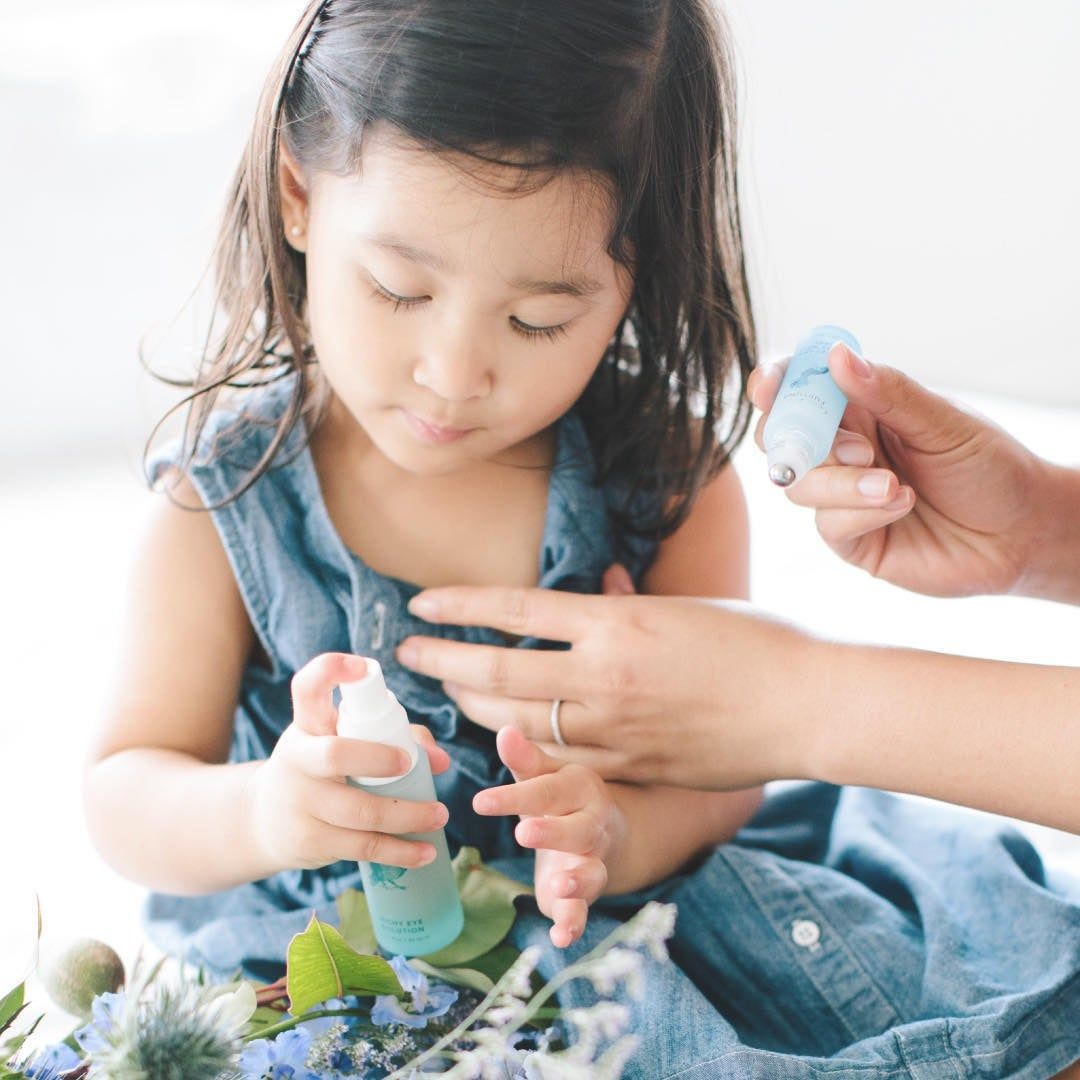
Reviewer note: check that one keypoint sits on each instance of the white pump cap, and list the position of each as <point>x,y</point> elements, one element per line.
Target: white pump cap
<point>369,711</point>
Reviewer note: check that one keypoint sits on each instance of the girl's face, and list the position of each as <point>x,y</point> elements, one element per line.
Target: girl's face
<point>452,321</point>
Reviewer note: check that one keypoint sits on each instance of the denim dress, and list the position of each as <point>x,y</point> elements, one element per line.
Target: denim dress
<point>844,932</point>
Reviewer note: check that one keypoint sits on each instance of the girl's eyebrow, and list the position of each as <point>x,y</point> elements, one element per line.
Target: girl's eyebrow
<point>574,285</point>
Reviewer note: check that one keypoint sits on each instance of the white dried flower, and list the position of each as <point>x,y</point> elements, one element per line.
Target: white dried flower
<point>615,966</point>
<point>651,927</point>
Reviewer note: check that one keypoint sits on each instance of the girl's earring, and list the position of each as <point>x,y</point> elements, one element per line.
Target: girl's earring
<point>296,230</point>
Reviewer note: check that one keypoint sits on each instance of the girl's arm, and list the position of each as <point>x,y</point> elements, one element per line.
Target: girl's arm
<point>664,827</point>
<point>162,806</point>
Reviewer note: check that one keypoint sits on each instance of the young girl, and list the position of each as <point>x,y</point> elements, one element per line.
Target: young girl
<point>486,322</point>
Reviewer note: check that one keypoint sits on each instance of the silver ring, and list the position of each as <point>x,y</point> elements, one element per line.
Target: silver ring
<point>556,731</point>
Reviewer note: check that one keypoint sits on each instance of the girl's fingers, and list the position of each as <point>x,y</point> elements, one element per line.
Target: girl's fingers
<point>843,487</point>
<point>552,793</point>
<point>347,807</point>
<point>439,758</point>
<point>839,528</point>
<point>354,845</point>
<point>313,685</point>
<point>334,756</point>
<point>576,834</point>
<point>568,918</point>
<point>523,758</point>
<point>585,882</point>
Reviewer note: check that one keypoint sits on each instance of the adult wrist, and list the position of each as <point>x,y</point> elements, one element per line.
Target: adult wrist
<point>1052,564</point>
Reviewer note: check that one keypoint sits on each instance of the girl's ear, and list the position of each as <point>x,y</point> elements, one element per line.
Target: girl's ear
<point>294,199</point>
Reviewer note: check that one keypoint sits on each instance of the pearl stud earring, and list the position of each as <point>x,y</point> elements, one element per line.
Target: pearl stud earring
<point>296,230</point>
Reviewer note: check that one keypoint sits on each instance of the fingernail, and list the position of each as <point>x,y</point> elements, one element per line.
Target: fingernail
<point>427,856</point>
<point>860,366</point>
<point>407,655</point>
<point>853,452</point>
<point>873,485</point>
<point>355,665</point>
<point>426,607</point>
<point>900,501</point>
<point>442,816</point>
<point>405,761</point>
<point>483,804</point>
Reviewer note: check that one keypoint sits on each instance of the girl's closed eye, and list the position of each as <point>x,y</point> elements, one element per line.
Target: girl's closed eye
<point>527,330</point>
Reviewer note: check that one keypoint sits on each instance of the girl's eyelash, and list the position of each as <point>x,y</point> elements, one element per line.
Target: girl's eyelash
<point>550,333</point>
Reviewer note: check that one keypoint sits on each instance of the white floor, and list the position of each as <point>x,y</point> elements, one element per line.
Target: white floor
<point>66,541</point>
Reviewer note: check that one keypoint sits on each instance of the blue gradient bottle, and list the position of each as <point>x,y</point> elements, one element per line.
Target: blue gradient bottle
<point>416,910</point>
<point>806,414</point>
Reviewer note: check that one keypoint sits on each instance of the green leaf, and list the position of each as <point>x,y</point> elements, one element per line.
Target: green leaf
<point>321,964</point>
<point>482,974</point>
<point>356,926</point>
<point>15,1043</point>
<point>488,899</point>
<point>11,1005</point>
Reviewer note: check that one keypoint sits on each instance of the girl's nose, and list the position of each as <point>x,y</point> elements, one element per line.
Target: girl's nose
<point>455,370</point>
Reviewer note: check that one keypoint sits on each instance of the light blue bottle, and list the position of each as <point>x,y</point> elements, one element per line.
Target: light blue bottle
<point>418,910</point>
<point>809,405</point>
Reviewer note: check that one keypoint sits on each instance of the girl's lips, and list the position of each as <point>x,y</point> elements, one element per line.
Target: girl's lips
<point>433,433</point>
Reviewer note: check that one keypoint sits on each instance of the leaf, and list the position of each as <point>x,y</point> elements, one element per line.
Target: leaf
<point>11,1005</point>
<point>356,925</point>
<point>321,964</point>
<point>488,899</point>
<point>484,972</point>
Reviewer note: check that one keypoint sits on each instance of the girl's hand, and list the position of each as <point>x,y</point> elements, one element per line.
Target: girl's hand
<point>569,816</point>
<point>917,491</point>
<point>304,814</point>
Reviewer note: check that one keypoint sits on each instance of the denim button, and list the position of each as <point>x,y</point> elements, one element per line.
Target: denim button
<point>805,933</point>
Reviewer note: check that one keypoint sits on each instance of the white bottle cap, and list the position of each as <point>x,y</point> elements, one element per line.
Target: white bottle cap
<point>789,458</point>
<point>369,711</point>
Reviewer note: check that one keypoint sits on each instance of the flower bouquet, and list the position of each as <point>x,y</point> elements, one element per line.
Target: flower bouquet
<point>474,1009</point>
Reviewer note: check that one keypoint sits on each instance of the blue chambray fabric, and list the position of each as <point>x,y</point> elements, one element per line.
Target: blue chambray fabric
<point>843,933</point>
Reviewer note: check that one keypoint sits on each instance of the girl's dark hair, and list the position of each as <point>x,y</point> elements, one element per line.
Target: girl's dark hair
<point>638,92</point>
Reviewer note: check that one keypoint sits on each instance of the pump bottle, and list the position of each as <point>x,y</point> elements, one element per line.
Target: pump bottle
<point>809,405</point>
<point>414,910</point>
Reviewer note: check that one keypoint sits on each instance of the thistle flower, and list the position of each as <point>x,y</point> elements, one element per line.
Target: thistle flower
<point>50,1062</point>
<point>184,1032</point>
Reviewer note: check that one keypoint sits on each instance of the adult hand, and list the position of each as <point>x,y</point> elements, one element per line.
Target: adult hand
<point>655,689</point>
<point>920,492</point>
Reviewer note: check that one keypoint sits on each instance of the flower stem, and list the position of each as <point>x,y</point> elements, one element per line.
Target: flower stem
<point>303,1018</point>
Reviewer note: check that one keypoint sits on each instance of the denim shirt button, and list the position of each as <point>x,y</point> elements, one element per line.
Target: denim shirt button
<point>805,933</point>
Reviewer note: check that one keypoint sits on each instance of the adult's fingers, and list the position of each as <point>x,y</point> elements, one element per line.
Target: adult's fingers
<point>839,528</point>
<point>921,418</point>
<point>313,685</point>
<point>764,382</point>
<point>848,448</point>
<point>843,487</point>
<point>519,673</point>
<point>350,808</point>
<point>531,717</point>
<point>542,613</point>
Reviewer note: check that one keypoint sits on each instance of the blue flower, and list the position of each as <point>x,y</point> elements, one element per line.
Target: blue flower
<point>425,1001</point>
<point>284,1058</point>
<point>104,1013</point>
<point>52,1061</point>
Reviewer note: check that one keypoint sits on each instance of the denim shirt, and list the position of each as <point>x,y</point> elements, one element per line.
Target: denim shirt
<point>306,593</point>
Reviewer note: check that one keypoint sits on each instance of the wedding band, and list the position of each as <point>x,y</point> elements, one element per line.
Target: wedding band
<point>556,731</point>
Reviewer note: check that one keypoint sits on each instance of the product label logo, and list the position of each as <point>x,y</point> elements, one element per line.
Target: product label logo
<point>386,877</point>
<point>807,375</point>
